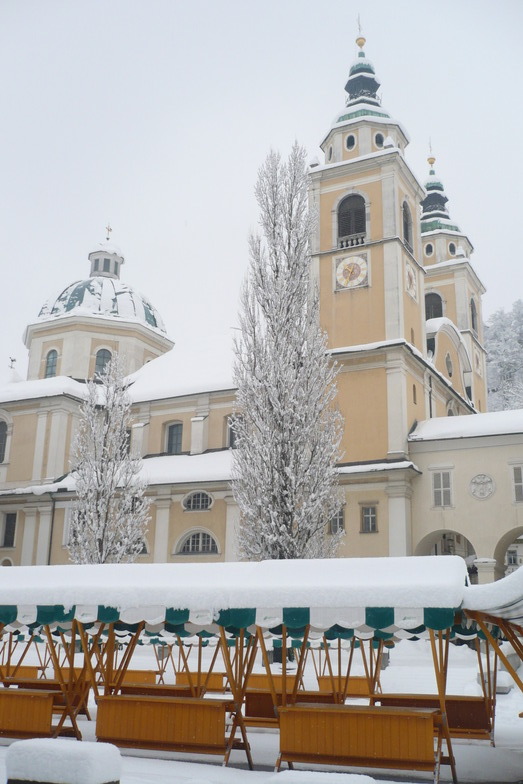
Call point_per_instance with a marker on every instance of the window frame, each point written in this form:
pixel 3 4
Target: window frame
pixel 337 522
pixel 406 222
pixel 99 371
pixel 7 518
pixel 194 494
pixel 169 427
pixel 444 492
pixel 354 219
pixel 369 517
pixel 432 304
pixel 4 435
pixel 190 536
pixel 517 484
pixel 51 363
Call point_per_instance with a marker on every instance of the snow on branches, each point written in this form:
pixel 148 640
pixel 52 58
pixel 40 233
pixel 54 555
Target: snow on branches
pixel 287 430
pixel 504 343
pixel 110 516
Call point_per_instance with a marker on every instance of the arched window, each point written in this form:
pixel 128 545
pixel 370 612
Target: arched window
pixel 174 438
pixel 433 306
pixel 103 357
pixel 197 502
pixel 198 543
pixel 473 316
pixel 3 440
pixel 50 364
pixel 351 221
pixel 407 225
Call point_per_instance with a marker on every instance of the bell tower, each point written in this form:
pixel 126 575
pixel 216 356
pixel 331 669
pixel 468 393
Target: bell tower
pixel 367 260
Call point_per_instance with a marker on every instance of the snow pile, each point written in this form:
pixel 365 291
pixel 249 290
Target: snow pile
pixel 309 777
pixel 62 761
pixel 494 423
pixel 500 598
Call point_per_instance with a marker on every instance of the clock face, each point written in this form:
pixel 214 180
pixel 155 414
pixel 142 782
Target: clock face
pixel 351 272
pixel 411 282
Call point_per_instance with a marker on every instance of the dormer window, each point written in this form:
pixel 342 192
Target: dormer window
pixel 351 221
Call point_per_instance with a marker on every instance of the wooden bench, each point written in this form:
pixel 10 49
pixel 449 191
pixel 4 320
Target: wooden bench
pixel 358 685
pixel 155 690
pixel 22 671
pixel 259 706
pixel 467 716
pixel 260 680
pixel 26 713
pixel 139 676
pixel 366 736
pixel 216 681
pixel 190 724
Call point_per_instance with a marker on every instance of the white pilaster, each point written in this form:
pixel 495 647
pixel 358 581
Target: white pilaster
pixel 44 535
pixel 232 522
pixel 199 434
pixel 161 537
pixel 400 526
pixel 38 455
pixel 28 539
pixel 397 407
pixel 57 443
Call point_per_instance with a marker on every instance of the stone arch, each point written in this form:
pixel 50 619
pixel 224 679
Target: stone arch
pixel 449 542
pixel 500 550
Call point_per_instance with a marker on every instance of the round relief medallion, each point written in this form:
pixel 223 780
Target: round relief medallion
pixel 482 486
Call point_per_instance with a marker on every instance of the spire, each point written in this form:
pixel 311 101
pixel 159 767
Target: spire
pixel 362 84
pixel 434 212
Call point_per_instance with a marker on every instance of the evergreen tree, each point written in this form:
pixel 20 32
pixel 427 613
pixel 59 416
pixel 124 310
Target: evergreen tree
pixel 110 516
pixel 504 343
pixel 287 431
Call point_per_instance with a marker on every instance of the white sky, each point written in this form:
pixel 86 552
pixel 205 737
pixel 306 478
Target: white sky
pixel 155 115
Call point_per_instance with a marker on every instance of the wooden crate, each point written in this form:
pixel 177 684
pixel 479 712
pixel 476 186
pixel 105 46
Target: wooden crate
pixel 260 680
pixel 367 736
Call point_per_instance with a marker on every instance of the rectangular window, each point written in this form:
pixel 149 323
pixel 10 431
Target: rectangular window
pixel 369 519
pixel 337 523
pixel 8 538
pixel 518 484
pixel 107 265
pixel 512 558
pixel 441 488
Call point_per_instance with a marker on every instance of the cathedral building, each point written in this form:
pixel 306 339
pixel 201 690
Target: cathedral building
pixel 425 468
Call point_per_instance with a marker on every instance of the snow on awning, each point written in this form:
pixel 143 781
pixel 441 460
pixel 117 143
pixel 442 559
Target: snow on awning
pixel 364 594
pixel 502 599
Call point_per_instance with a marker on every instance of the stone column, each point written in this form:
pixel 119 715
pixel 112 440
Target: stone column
pixel 161 536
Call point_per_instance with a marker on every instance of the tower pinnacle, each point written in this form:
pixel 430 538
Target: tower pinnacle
pixel 362 84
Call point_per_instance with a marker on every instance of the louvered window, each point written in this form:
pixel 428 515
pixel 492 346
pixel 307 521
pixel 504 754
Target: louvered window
pixel 351 216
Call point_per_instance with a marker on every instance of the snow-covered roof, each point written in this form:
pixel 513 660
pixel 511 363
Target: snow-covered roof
pixel 490 424
pixel 186 370
pixel 102 296
pixel 364 468
pixel 42 387
pixel 336 585
pixel 179 469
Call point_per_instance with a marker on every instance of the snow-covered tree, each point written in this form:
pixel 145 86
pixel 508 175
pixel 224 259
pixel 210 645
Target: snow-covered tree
pixel 504 343
pixel 287 430
pixel 110 516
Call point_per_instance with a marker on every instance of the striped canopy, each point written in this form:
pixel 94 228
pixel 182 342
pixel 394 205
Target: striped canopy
pixel 366 597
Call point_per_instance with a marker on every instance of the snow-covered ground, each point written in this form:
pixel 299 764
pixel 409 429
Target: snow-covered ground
pixel 410 670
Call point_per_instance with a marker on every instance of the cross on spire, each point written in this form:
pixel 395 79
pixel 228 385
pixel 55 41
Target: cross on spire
pixel 108 230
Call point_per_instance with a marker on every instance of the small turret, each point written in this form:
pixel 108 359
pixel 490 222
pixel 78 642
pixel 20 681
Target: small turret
pixel 362 84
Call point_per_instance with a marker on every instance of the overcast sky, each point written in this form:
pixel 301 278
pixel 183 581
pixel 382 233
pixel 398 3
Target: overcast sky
pixel 155 115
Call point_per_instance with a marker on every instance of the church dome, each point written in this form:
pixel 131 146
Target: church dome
pixel 103 294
